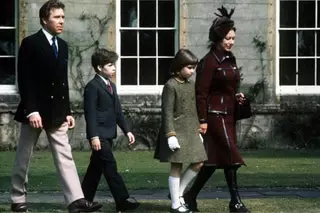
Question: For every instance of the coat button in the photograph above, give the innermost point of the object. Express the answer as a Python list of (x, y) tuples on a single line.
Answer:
[(62, 97), (62, 84), (52, 84), (51, 96)]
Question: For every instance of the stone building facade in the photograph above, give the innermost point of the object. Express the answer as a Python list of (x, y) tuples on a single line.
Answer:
[(276, 48)]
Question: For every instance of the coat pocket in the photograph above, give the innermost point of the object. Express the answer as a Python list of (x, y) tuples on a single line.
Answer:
[(178, 117), (102, 117)]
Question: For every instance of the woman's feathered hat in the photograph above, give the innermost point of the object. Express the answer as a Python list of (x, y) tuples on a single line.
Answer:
[(221, 25)]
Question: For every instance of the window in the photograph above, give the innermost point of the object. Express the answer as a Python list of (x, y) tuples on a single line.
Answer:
[(8, 46), (298, 50), (146, 43)]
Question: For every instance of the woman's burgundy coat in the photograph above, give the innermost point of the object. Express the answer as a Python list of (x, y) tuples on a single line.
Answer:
[(216, 86)]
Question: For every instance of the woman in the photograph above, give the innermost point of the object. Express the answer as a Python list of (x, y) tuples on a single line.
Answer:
[(216, 96)]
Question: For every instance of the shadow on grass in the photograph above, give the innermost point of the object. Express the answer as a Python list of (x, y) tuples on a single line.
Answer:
[(40, 207), (154, 181), (279, 153), (107, 207)]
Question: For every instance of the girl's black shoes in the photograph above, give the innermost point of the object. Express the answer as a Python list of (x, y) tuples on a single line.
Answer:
[(180, 209), (191, 202), (238, 207)]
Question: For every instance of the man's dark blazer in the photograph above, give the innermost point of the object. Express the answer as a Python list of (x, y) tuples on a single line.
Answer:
[(43, 80), (102, 110)]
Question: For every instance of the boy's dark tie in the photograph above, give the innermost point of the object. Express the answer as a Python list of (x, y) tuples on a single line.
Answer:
[(54, 46), (109, 86)]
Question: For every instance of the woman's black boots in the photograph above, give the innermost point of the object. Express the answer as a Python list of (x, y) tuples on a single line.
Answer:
[(191, 195), (235, 204)]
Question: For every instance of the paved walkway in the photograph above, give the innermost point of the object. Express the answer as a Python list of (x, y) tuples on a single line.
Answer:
[(147, 194)]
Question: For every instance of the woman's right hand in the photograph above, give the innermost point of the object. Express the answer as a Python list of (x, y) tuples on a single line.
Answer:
[(203, 128)]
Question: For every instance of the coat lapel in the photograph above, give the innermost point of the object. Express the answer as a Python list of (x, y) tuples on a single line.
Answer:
[(46, 47), (103, 84)]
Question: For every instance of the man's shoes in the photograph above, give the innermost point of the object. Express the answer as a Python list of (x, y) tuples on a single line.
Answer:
[(82, 205), (128, 204), (19, 207)]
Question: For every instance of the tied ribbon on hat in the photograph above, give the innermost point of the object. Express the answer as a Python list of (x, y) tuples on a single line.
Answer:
[(221, 25)]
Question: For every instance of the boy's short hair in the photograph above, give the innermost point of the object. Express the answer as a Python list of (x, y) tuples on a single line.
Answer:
[(102, 57)]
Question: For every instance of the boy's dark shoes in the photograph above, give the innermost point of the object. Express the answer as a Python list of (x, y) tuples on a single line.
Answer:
[(82, 205), (129, 204), (19, 207)]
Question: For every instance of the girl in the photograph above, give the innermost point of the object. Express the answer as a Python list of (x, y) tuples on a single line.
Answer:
[(179, 140)]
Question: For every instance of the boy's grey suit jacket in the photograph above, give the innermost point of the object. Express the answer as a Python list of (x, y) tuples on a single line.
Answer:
[(103, 111)]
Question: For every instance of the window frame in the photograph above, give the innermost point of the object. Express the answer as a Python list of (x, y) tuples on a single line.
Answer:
[(8, 89), (142, 89), (295, 89)]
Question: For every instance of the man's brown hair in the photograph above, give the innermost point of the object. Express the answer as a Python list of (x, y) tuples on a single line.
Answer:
[(44, 11)]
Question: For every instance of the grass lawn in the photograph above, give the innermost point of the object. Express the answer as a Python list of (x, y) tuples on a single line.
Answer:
[(267, 205), (265, 168)]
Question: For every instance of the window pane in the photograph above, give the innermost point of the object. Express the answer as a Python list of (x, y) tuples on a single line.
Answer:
[(147, 43), (288, 12), (128, 13), (7, 70), (306, 73), (166, 13), (164, 66), (318, 71), (287, 43), (318, 13), (287, 72), (166, 42), (318, 43), (148, 13), (307, 13), (306, 43), (147, 71), (129, 71), (128, 43), (7, 39), (7, 13)]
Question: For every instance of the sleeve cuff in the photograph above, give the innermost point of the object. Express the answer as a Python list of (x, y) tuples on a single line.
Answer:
[(169, 134), (93, 138), (32, 113)]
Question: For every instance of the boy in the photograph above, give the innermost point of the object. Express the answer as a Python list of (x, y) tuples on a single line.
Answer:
[(103, 113)]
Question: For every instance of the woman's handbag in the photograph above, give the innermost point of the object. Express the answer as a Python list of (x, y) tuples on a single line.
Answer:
[(243, 111)]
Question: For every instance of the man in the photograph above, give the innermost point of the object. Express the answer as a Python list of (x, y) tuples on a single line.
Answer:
[(43, 86)]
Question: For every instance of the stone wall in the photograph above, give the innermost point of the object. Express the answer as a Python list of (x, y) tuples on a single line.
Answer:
[(269, 127)]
